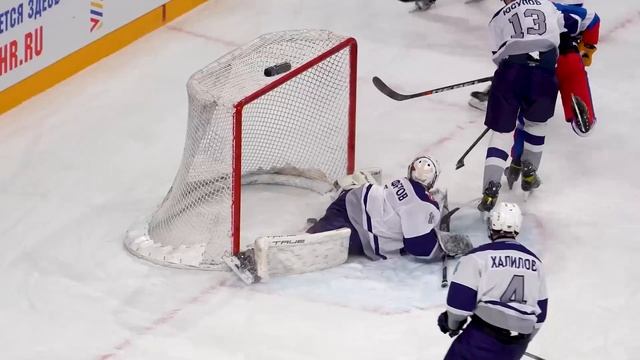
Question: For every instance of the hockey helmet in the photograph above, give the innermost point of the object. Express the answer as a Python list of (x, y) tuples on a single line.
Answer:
[(425, 170), (505, 221)]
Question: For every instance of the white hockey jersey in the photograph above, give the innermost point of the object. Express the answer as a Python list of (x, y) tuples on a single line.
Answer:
[(501, 282), (525, 26), (394, 218)]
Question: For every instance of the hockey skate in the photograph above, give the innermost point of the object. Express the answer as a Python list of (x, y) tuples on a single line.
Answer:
[(423, 5), (489, 196), (581, 123), (243, 265), (512, 173), (454, 244), (479, 99), (530, 179)]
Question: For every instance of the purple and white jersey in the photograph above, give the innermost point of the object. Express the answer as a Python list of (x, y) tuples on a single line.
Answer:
[(399, 216), (525, 26), (503, 283)]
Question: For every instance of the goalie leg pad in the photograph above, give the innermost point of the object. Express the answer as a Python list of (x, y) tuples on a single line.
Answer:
[(296, 254)]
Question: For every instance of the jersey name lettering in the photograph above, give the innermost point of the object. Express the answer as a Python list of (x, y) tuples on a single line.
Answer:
[(515, 4), (515, 262), (401, 193)]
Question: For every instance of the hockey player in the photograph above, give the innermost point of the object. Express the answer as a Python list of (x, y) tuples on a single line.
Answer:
[(576, 52), (379, 222), (571, 74), (526, 35), (501, 286), (384, 220)]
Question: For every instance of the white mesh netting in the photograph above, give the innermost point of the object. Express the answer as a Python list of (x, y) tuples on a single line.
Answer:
[(295, 130)]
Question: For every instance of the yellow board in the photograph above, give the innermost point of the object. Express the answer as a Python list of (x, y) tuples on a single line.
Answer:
[(175, 8), (92, 53)]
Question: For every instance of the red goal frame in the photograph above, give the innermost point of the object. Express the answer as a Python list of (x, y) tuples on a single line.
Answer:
[(236, 185)]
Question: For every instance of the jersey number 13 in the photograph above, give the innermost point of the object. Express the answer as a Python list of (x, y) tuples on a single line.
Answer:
[(539, 23)]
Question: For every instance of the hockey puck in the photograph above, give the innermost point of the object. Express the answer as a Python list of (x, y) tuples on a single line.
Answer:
[(277, 69), (312, 221)]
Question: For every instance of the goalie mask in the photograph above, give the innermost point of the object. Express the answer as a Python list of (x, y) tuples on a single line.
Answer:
[(424, 170), (505, 221)]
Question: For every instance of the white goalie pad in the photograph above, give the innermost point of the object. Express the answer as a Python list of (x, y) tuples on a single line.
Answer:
[(296, 254)]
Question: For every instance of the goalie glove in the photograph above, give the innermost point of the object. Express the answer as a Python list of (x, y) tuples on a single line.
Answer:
[(586, 51), (454, 244), (357, 179)]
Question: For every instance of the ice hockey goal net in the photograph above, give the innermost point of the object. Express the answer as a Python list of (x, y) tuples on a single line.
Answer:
[(294, 128)]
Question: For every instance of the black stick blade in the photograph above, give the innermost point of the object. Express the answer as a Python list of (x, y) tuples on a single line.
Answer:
[(460, 163), (383, 88)]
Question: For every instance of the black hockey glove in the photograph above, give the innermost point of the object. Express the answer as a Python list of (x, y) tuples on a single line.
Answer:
[(443, 324)]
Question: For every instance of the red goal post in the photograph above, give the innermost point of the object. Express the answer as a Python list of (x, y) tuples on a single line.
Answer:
[(296, 128)]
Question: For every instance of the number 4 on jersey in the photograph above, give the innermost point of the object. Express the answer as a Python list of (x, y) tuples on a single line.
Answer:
[(515, 291)]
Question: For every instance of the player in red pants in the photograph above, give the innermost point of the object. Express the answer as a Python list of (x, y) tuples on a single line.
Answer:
[(575, 54)]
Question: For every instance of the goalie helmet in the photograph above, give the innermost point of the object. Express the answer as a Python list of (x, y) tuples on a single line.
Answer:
[(424, 170), (505, 221)]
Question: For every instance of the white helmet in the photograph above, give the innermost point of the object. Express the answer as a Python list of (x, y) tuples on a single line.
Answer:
[(424, 170), (505, 220)]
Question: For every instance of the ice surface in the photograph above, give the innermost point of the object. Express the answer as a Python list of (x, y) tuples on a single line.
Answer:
[(83, 161)]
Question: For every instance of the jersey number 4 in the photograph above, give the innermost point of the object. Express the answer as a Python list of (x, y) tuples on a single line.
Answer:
[(515, 291), (539, 23)]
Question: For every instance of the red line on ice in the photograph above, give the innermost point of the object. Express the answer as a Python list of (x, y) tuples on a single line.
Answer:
[(162, 320), (631, 20), (204, 36)]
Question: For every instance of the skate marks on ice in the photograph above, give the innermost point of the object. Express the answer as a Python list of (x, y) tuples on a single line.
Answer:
[(393, 286), (389, 287), (386, 287)]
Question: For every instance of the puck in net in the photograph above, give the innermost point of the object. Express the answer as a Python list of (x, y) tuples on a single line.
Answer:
[(277, 69)]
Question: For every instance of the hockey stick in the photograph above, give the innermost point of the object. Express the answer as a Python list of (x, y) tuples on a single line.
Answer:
[(380, 85), (534, 357), (460, 162), (445, 225), (445, 222), (445, 280)]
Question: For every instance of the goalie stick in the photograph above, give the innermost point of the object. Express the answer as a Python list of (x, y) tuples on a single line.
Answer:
[(445, 225), (534, 357), (385, 89)]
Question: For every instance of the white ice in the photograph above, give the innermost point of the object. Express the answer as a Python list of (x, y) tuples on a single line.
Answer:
[(83, 161)]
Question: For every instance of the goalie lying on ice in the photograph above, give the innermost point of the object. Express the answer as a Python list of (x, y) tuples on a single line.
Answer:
[(377, 221)]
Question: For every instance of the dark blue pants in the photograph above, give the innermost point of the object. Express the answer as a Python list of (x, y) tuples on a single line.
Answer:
[(530, 91), (475, 343), (336, 217)]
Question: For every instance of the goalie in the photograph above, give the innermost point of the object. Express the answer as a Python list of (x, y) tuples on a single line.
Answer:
[(367, 219)]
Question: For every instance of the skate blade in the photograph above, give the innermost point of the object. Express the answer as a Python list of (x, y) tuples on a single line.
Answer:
[(479, 105), (234, 264)]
